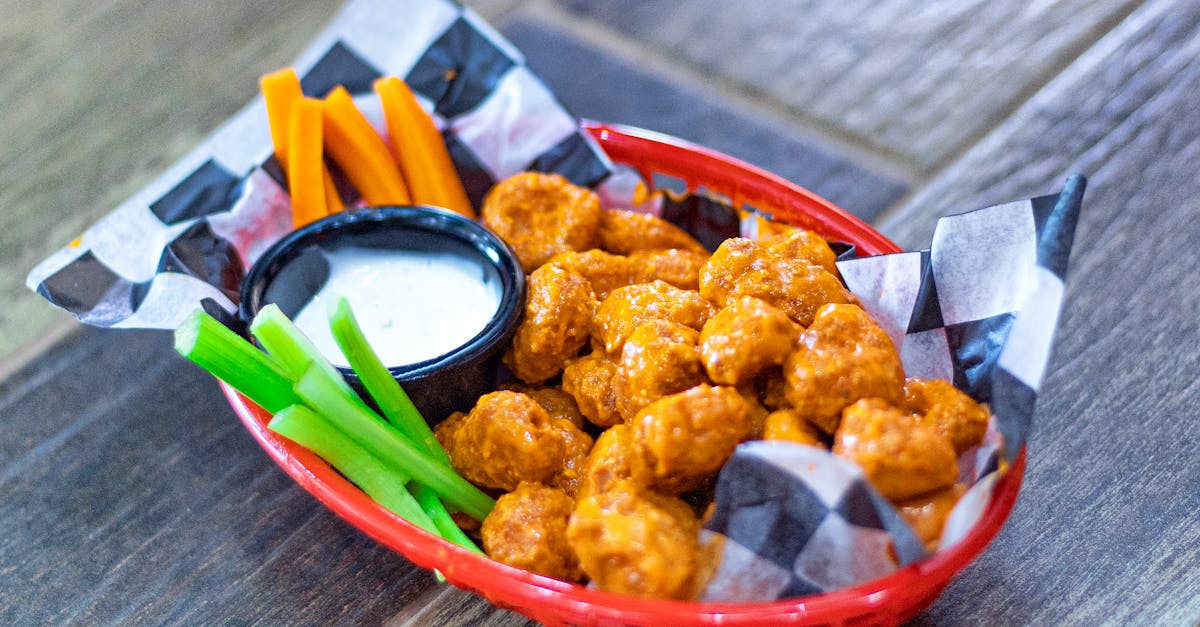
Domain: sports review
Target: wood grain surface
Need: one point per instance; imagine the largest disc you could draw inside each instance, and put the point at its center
(1111, 509)
(914, 80)
(130, 493)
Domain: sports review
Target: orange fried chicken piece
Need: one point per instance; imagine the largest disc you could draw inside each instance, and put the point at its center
(842, 357)
(899, 455)
(539, 215)
(680, 268)
(787, 424)
(685, 438)
(577, 446)
(742, 267)
(589, 380)
(614, 459)
(745, 338)
(658, 359)
(508, 438)
(528, 529)
(948, 409)
(628, 307)
(632, 544)
(555, 325)
(624, 232)
(927, 513)
(807, 246)
(555, 401)
(605, 272)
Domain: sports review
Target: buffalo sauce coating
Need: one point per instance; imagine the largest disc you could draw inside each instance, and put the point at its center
(901, 456)
(627, 232)
(689, 355)
(589, 379)
(631, 541)
(927, 513)
(658, 359)
(528, 529)
(629, 307)
(745, 338)
(685, 438)
(843, 357)
(556, 323)
(539, 215)
(743, 267)
(508, 438)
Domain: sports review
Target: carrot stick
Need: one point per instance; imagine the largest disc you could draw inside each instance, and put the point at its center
(281, 91)
(333, 202)
(420, 150)
(304, 162)
(361, 152)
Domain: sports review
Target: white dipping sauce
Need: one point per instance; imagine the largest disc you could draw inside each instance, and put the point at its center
(411, 305)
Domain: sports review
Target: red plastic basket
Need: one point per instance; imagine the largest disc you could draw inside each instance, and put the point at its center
(887, 600)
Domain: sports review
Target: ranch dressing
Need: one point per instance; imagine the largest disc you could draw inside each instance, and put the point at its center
(411, 305)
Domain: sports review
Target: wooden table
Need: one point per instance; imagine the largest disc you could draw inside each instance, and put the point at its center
(129, 492)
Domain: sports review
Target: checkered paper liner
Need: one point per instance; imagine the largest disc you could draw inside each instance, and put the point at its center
(979, 308)
(189, 236)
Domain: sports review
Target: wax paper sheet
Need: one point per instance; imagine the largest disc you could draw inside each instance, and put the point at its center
(979, 308)
(189, 236)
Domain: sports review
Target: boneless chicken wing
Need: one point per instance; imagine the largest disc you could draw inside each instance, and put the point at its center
(804, 245)
(658, 359)
(528, 529)
(624, 232)
(745, 338)
(630, 543)
(605, 272)
(615, 459)
(555, 325)
(508, 438)
(555, 401)
(843, 357)
(680, 268)
(576, 446)
(685, 438)
(589, 380)
(743, 267)
(927, 513)
(787, 424)
(628, 307)
(948, 409)
(900, 456)
(540, 215)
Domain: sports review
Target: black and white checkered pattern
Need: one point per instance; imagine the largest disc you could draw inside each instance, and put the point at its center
(978, 309)
(187, 238)
(798, 520)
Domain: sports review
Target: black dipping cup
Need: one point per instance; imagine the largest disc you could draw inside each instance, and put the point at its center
(290, 272)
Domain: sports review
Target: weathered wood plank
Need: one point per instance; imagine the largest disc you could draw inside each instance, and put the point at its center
(1108, 524)
(99, 97)
(916, 80)
(144, 500)
(616, 89)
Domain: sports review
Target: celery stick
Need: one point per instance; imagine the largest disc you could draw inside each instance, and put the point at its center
(393, 448)
(234, 360)
(383, 387)
(441, 517)
(296, 352)
(290, 346)
(380, 482)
